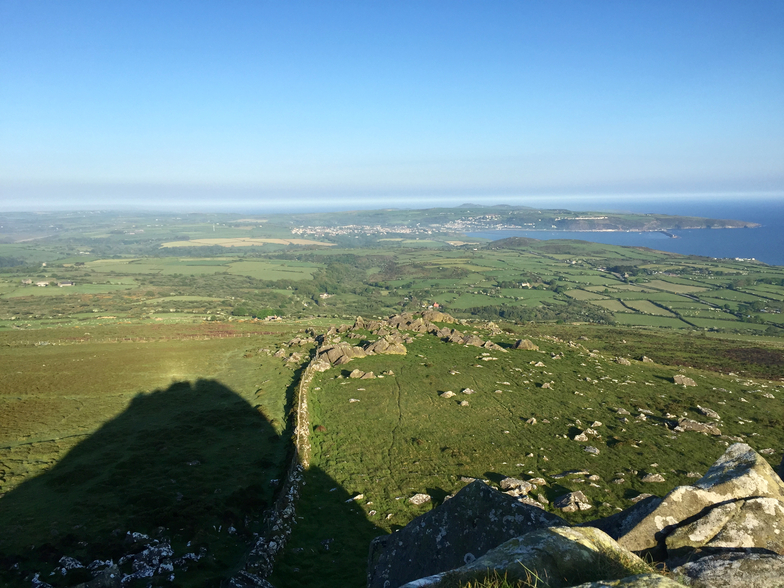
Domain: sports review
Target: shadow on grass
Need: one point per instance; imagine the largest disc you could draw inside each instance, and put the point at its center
(187, 463)
(329, 544)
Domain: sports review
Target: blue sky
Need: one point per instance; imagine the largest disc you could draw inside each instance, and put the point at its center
(203, 104)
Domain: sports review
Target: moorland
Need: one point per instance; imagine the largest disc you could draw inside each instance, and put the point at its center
(148, 382)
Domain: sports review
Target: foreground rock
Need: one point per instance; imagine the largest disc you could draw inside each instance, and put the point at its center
(735, 570)
(464, 527)
(557, 555)
(741, 474)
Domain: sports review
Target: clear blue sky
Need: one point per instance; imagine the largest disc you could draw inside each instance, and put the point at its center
(196, 103)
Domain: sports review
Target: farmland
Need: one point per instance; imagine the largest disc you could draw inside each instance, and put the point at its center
(148, 387)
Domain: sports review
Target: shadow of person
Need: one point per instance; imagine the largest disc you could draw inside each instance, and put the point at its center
(329, 545)
(194, 463)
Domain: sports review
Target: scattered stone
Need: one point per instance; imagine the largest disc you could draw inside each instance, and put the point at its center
(652, 478)
(646, 359)
(521, 487)
(690, 425)
(419, 499)
(768, 451)
(622, 361)
(682, 380)
(622, 411)
(368, 376)
(712, 414)
(618, 481)
(353, 400)
(641, 497)
(582, 437)
(531, 421)
(447, 394)
(467, 391)
(592, 450)
(464, 403)
(356, 374)
(546, 385)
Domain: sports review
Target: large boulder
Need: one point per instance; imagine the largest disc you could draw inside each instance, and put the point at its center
(525, 344)
(334, 354)
(734, 570)
(740, 473)
(757, 522)
(558, 556)
(475, 520)
(620, 523)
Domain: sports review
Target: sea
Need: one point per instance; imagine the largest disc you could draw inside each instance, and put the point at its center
(765, 244)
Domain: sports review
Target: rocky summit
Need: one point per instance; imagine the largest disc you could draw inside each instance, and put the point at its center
(726, 531)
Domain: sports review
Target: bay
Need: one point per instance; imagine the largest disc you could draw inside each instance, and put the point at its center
(765, 243)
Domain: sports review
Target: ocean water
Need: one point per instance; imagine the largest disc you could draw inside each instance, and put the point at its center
(765, 243)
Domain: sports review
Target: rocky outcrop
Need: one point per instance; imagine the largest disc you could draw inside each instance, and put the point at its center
(464, 527)
(691, 425)
(621, 523)
(340, 353)
(435, 316)
(683, 380)
(390, 345)
(734, 570)
(556, 555)
(738, 475)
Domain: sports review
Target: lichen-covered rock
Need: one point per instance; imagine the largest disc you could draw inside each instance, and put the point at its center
(622, 361)
(757, 522)
(356, 374)
(467, 525)
(640, 581)
(419, 499)
(739, 473)
(473, 341)
(521, 487)
(555, 555)
(525, 344)
(711, 414)
(734, 570)
(622, 522)
(335, 353)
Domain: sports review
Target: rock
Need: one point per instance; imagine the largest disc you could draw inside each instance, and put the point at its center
(368, 376)
(622, 411)
(521, 487)
(447, 394)
(556, 555)
(740, 473)
(757, 522)
(581, 437)
(572, 502)
(652, 478)
(622, 522)
(340, 353)
(641, 497)
(492, 346)
(592, 450)
(682, 380)
(547, 385)
(639, 581)
(525, 344)
(320, 365)
(464, 403)
(690, 425)
(419, 499)
(646, 359)
(473, 341)
(712, 414)
(389, 345)
(622, 361)
(356, 374)
(531, 421)
(435, 316)
(473, 521)
(735, 570)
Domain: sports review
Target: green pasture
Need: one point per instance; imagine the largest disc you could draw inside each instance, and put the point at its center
(399, 437)
(98, 435)
(612, 305)
(648, 307)
(53, 290)
(649, 321)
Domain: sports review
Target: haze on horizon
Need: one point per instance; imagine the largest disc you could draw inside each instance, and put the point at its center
(240, 104)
